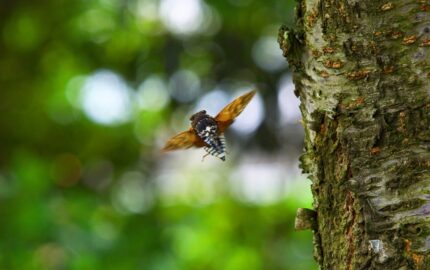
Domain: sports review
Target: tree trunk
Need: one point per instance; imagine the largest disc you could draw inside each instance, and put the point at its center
(362, 72)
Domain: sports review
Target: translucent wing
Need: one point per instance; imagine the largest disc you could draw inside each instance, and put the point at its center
(227, 115)
(183, 140)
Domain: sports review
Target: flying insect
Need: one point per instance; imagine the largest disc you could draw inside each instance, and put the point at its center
(207, 131)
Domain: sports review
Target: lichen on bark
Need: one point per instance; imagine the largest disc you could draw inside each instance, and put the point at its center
(362, 72)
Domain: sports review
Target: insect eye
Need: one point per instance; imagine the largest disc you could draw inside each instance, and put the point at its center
(198, 113)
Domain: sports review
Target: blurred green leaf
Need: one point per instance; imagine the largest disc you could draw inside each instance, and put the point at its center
(76, 193)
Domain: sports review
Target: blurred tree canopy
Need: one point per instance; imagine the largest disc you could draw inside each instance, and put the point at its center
(90, 90)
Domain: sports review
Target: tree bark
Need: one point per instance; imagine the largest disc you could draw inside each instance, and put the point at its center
(362, 72)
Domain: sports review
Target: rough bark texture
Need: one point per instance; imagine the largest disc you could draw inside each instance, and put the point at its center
(362, 71)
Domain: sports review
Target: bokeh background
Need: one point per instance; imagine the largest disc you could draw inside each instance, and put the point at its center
(89, 93)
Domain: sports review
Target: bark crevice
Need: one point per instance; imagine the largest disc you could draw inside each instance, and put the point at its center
(362, 72)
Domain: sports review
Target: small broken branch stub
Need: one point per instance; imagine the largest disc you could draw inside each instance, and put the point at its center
(306, 219)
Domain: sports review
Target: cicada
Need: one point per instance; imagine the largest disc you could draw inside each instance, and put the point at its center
(207, 131)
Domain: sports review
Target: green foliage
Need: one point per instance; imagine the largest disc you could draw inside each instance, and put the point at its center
(80, 193)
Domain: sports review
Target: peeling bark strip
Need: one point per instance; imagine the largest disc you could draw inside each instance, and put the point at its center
(362, 71)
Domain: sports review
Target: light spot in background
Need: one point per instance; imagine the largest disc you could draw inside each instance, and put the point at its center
(98, 23)
(184, 85)
(288, 103)
(188, 17)
(182, 17)
(259, 183)
(212, 22)
(180, 180)
(260, 179)
(183, 178)
(105, 233)
(152, 94)
(188, 187)
(212, 102)
(73, 90)
(267, 54)
(105, 98)
(133, 195)
(251, 117)
(147, 9)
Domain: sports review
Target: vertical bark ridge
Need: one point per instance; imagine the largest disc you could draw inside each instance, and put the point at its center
(362, 71)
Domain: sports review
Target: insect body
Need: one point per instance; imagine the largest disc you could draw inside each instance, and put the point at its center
(207, 131)
(206, 128)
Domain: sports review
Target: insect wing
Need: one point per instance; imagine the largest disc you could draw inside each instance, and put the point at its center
(227, 115)
(183, 140)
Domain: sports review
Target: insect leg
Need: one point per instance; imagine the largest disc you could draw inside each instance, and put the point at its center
(203, 157)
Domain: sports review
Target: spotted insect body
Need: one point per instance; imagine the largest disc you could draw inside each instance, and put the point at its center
(207, 129)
